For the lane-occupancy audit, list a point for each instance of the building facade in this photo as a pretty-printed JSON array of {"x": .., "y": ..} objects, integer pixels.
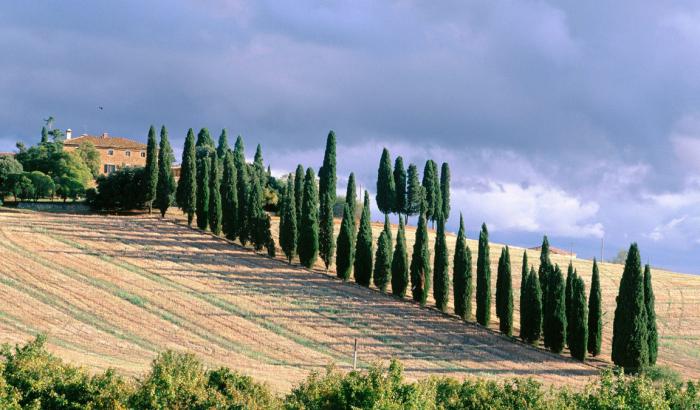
[{"x": 115, "y": 152}]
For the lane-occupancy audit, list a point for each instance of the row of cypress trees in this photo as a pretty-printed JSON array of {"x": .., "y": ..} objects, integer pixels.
[{"x": 158, "y": 182}]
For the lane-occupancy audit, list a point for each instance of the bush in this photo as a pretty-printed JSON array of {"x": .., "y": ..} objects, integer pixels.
[{"x": 120, "y": 190}]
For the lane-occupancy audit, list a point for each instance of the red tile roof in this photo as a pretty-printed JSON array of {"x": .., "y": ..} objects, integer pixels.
[{"x": 105, "y": 141}]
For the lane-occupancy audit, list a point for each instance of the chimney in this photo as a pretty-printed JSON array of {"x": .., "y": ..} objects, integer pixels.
[
  {"x": 105, "y": 135},
  {"x": 69, "y": 133}
]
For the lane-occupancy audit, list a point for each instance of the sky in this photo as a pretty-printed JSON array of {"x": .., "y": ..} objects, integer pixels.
[{"x": 579, "y": 120}]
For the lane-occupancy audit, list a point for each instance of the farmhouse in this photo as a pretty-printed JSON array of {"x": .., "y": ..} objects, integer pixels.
[{"x": 115, "y": 152}]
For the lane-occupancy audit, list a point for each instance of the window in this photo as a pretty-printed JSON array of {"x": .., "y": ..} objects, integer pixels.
[
  {"x": 127, "y": 153},
  {"x": 109, "y": 168},
  {"x": 143, "y": 154},
  {"x": 110, "y": 152}
]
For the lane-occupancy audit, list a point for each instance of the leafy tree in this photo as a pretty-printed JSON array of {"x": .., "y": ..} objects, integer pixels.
[
  {"x": 203, "y": 175},
  {"x": 382, "y": 263},
  {"x": 67, "y": 187},
  {"x": 420, "y": 263},
  {"x": 308, "y": 230},
  {"x": 504, "y": 293},
  {"x": 399, "y": 264},
  {"x": 386, "y": 191},
  {"x": 42, "y": 185},
  {"x": 462, "y": 275},
  {"x": 630, "y": 344},
  {"x": 229, "y": 196},
  {"x": 166, "y": 181},
  {"x": 186, "y": 195},
  {"x": 351, "y": 200},
  {"x": 222, "y": 149},
  {"x": 483, "y": 279},
  {"x": 19, "y": 185},
  {"x": 653, "y": 335},
  {"x": 579, "y": 314},
  {"x": 445, "y": 190},
  {"x": 215, "y": 216},
  {"x": 88, "y": 153},
  {"x": 327, "y": 187},
  {"x": 570, "y": 275},
  {"x": 288, "y": 222},
  {"x": 116, "y": 190},
  {"x": 299, "y": 194},
  {"x": 532, "y": 320},
  {"x": 414, "y": 193},
  {"x": 9, "y": 165},
  {"x": 441, "y": 279},
  {"x": 595, "y": 314},
  {"x": 400, "y": 187},
  {"x": 345, "y": 255},
  {"x": 556, "y": 330},
  {"x": 523, "y": 299},
  {"x": 243, "y": 186},
  {"x": 150, "y": 181},
  {"x": 363, "y": 247}
]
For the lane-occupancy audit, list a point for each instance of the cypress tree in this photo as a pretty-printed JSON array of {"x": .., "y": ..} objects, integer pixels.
[
  {"x": 431, "y": 190},
  {"x": 382, "y": 264},
  {"x": 556, "y": 330},
  {"x": 630, "y": 343},
  {"x": 386, "y": 191},
  {"x": 389, "y": 236},
  {"x": 399, "y": 186},
  {"x": 44, "y": 135},
  {"x": 166, "y": 181},
  {"x": 595, "y": 314},
  {"x": 399, "y": 264},
  {"x": 203, "y": 175},
  {"x": 259, "y": 167},
  {"x": 345, "y": 255},
  {"x": 269, "y": 240},
  {"x": 441, "y": 280},
  {"x": 204, "y": 138},
  {"x": 462, "y": 274},
  {"x": 214, "y": 198},
  {"x": 420, "y": 262},
  {"x": 256, "y": 215},
  {"x": 229, "y": 197},
  {"x": 222, "y": 149},
  {"x": 414, "y": 193},
  {"x": 570, "y": 275},
  {"x": 327, "y": 173},
  {"x": 579, "y": 314},
  {"x": 150, "y": 178},
  {"x": 243, "y": 187},
  {"x": 363, "y": 247},
  {"x": 445, "y": 190},
  {"x": 544, "y": 272},
  {"x": 504, "y": 293},
  {"x": 308, "y": 230},
  {"x": 351, "y": 201},
  {"x": 653, "y": 335},
  {"x": 299, "y": 195},
  {"x": 532, "y": 320},
  {"x": 483, "y": 279},
  {"x": 523, "y": 299},
  {"x": 288, "y": 222},
  {"x": 327, "y": 187},
  {"x": 187, "y": 185}
]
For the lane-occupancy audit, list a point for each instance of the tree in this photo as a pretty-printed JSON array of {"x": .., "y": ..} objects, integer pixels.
[
  {"x": 420, "y": 262},
  {"x": 203, "y": 175},
  {"x": 399, "y": 264},
  {"x": 257, "y": 218},
  {"x": 462, "y": 274},
  {"x": 299, "y": 194},
  {"x": 630, "y": 344},
  {"x": 389, "y": 236},
  {"x": 386, "y": 191},
  {"x": 204, "y": 138},
  {"x": 431, "y": 190},
  {"x": 556, "y": 323},
  {"x": 351, "y": 200},
  {"x": 595, "y": 314},
  {"x": 523, "y": 299},
  {"x": 166, "y": 181},
  {"x": 414, "y": 193},
  {"x": 543, "y": 275},
  {"x": 400, "y": 195},
  {"x": 445, "y": 190},
  {"x": 151, "y": 170},
  {"x": 229, "y": 196},
  {"x": 345, "y": 255},
  {"x": 363, "y": 247},
  {"x": 243, "y": 186},
  {"x": 269, "y": 240},
  {"x": 88, "y": 153},
  {"x": 44, "y": 135},
  {"x": 308, "y": 230},
  {"x": 187, "y": 185},
  {"x": 504, "y": 293},
  {"x": 9, "y": 165},
  {"x": 483, "y": 279},
  {"x": 259, "y": 167},
  {"x": 67, "y": 187},
  {"x": 42, "y": 184},
  {"x": 222, "y": 149},
  {"x": 327, "y": 187},
  {"x": 532, "y": 314},
  {"x": 570, "y": 275},
  {"x": 382, "y": 263},
  {"x": 214, "y": 197},
  {"x": 441, "y": 279},
  {"x": 288, "y": 222},
  {"x": 19, "y": 185},
  {"x": 653, "y": 335},
  {"x": 579, "y": 313}
]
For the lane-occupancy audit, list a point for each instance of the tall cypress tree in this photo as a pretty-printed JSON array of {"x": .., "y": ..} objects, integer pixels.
[
  {"x": 363, "y": 247},
  {"x": 327, "y": 187},
  {"x": 288, "y": 222},
  {"x": 345, "y": 255},
  {"x": 243, "y": 187},
  {"x": 544, "y": 272},
  {"x": 579, "y": 314},
  {"x": 420, "y": 262},
  {"x": 166, "y": 181},
  {"x": 532, "y": 320},
  {"x": 414, "y": 193},
  {"x": 327, "y": 173},
  {"x": 203, "y": 192},
  {"x": 483, "y": 279},
  {"x": 204, "y": 138},
  {"x": 382, "y": 264},
  {"x": 569, "y": 297},
  {"x": 308, "y": 230},
  {"x": 187, "y": 185},
  {"x": 386, "y": 191},
  {"x": 399, "y": 186},
  {"x": 523, "y": 300},
  {"x": 399, "y": 264},
  {"x": 256, "y": 215},
  {"x": 229, "y": 197},
  {"x": 462, "y": 274},
  {"x": 389, "y": 236},
  {"x": 445, "y": 190},
  {"x": 259, "y": 167},
  {"x": 214, "y": 198},
  {"x": 556, "y": 323},
  {"x": 441, "y": 280},
  {"x": 504, "y": 293},
  {"x": 351, "y": 201},
  {"x": 299, "y": 194},
  {"x": 630, "y": 343},
  {"x": 595, "y": 314},
  {"x": 431, "y": 190},
  {"x": 150, "y": 178},
  {"x": 653, "y": 335},
  {"x": 222, "y": 149}
]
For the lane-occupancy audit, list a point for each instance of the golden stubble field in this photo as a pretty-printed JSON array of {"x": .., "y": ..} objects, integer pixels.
[{"x": 113, "y": 291}]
